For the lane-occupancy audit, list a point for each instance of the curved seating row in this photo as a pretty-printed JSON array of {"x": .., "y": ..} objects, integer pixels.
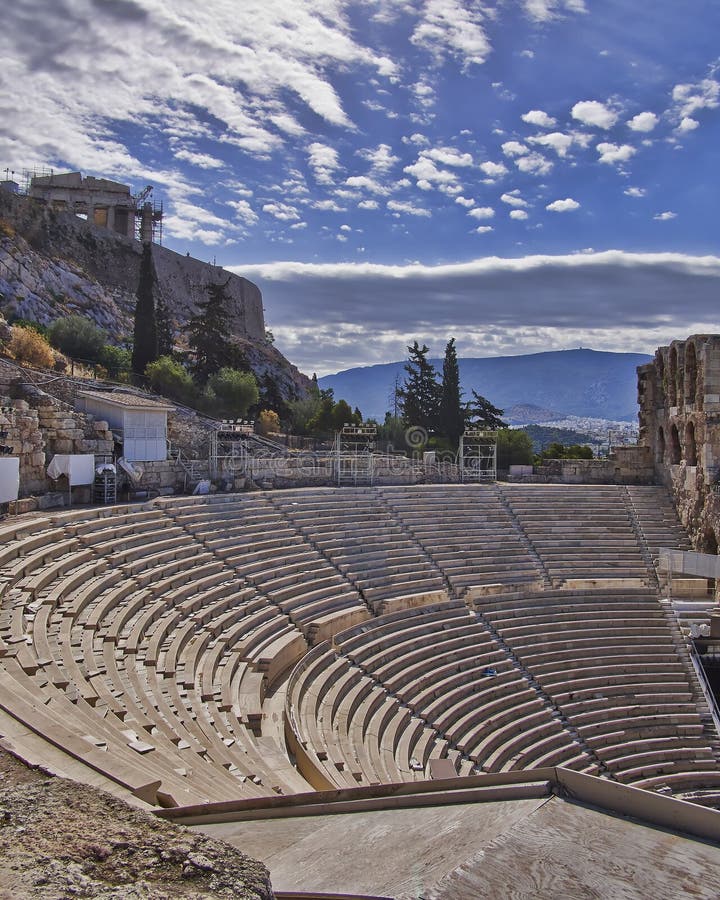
[
  {"x": 147, "y": 645},
  {"x": 467, "y": 532},
  {"x": 362, "y": 539},
  {"x": 385, "y": 698},
  {"x": 580, "y": 532},
  {"x": 146, "y": 640},
  {"x": 609, "y": 663}
]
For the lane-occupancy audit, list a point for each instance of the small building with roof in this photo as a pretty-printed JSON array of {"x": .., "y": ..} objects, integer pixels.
[{"x": 139, "y": 423}]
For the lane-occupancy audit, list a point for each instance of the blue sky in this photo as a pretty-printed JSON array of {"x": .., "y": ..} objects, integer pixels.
[{"x": 523, "y": 175}]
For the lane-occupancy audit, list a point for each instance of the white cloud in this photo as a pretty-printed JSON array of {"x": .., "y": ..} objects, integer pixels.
[
  {"x": 635, "y": 192},
  {"x": 493, "y": 169},
  {"x": 368, "y": 183},
  {"x": 665, "y": 216},
  {"x": 558, "y": 141},
  {"x": 323, "y": 161},
  {"x": 518, "y": 214},
  {"x": 282, "y": 211},
  {"x": 644, "y": 121},
  {"x": 539, "y": 118},
  {"x": 400, "y": 206},
  {"x": 592, "y": 112},
  {"x": 449, "y": 156},
  {"x": 243, "y": 211},
  {"x": 345, "y": 228},
  {"x": 688, "y": 124},
  {"x": 566, "y": 205},
  {"x": 381, "y": 159},
  {"x": 513, "y": 198},
  {"x": 482, "y": 212},
  {"x": 328, "y": 206},
  {"x": 232, "y": 73},
  {"x": 368, "y": 204},
  {"x": 545, "y": 10},
  {"x": 689, "y": 98},
  {"x": 483, "y": 229},
  {"x": 514, "y": 148},
  {"x": 452, "y": 28},
  {"x": 427, "y": 174},
  {"x": 201, "y": 160},
  {"x": 467, "y": 202},
  {"x": 419, "y": 140},
  {"x": 332, "y": 316},
  {"x": 615, "y": 153},
  {"x": 534, "y": 164}
]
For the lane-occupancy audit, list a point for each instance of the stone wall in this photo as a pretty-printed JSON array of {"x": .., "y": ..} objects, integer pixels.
[
  {"x": 40, "y": 425},
  {"x": 679, "y": 397},
  {"x": 625, "y": 465}
]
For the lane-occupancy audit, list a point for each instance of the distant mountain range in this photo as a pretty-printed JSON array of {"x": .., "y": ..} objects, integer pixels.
[{"x": 588, "y": 383}]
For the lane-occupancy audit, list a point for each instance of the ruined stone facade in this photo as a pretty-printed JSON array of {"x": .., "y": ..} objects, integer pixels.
[
  {"x": 679, "y": 397},
  {"x": 106, "y": 204}
]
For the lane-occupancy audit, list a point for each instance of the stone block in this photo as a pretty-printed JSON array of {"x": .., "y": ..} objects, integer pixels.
[
  {"x": 62, "y": 446},
  {"x": 52, "y": 500}
]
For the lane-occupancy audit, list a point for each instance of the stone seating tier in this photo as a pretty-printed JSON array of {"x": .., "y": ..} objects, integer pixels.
[{"x": 159, "y": 629}]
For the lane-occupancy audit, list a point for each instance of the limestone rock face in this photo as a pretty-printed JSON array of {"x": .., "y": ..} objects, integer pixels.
[{"x": 53, "y": 264}]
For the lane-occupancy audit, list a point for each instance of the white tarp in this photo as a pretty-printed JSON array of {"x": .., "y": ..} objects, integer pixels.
[
  {"x": 132, "y": 470},
  {"x": 78, "y": 467},
  {"x": 687, "y": 562},
  {"x": 9, "y": 478}
]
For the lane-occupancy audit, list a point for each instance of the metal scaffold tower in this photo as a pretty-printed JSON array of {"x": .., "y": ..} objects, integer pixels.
[
  {"x": 477, "y": 455},
  {"x": 229, "y": 448},
  {"x": 354, "y": 458}
]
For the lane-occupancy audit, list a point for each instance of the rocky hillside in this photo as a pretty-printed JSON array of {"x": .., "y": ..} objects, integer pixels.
[{"x": 54, "y": 264}]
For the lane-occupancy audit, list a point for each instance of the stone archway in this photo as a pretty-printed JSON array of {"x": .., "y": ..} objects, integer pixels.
[
  {"x": 672, "y": 377},
  {"x": 690, "y": 373},
  {"x": 690, "y": 445},
  {"x": 660, "y": 446},
  {"x": 675, "y": 451}
]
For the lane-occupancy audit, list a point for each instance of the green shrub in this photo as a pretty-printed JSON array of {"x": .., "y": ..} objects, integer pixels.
[
  {"x": 115, "y": 360},
  {"x": 235, "y": 391},
  {"x": 78, "y": 338},
  {"x": 167, "y": 377}
]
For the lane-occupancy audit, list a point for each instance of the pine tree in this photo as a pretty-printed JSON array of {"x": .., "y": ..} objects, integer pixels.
[
  {"x": 482, "y": 414},
  {"x": 208, "y": 336},
  {"x": 452, "y": 411},
  {"x": 145, "y": 341},
  {"x": 420, "y": 394}
]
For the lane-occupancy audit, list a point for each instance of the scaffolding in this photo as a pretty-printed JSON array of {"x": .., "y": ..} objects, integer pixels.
[
  {"x": 354, "y": 454},
  {"x": 229, "y": 448},
  {"x": 477, "y": 455}
]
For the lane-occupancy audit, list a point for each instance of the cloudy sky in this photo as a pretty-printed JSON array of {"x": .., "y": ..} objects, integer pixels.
[{"x": 521, "y": 174}]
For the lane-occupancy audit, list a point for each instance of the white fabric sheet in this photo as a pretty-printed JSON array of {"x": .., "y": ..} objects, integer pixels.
[
  {"x": 79, "y": 467},
  {"x": 9, "y": 478}
]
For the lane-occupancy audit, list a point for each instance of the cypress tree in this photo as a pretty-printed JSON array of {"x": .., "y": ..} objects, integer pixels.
[
  {"x": 165, "y": 337},
  {"x": 452, "y": 412},
  {"x": 145, "y": 341}
]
